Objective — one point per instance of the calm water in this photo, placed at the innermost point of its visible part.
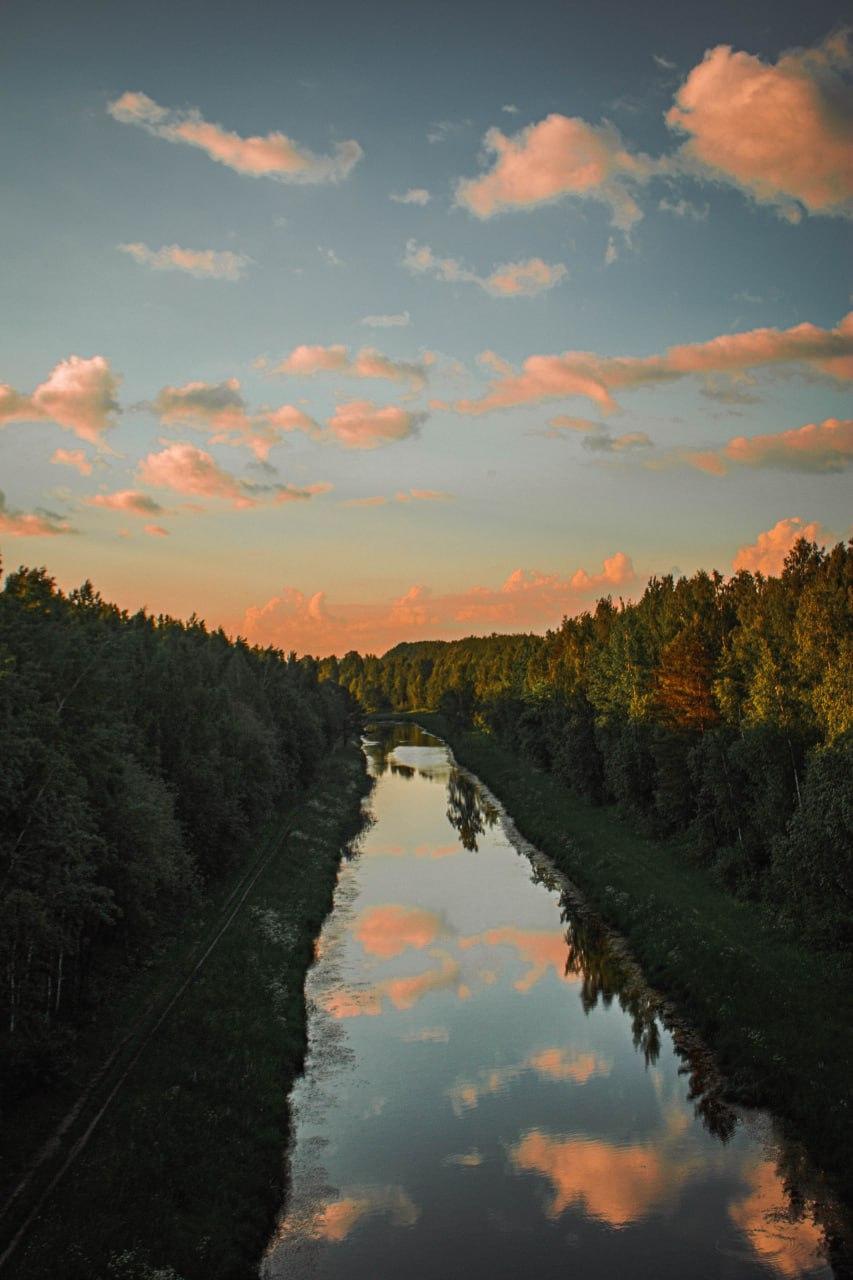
(490, 1090)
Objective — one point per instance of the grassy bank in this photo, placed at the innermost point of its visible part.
(186, 1169)
(777, 1016)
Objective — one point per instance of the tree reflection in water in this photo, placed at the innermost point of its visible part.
(468, 810)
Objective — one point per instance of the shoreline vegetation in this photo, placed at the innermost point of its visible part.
(774, 1013)
(186, 1173)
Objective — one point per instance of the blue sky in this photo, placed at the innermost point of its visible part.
(712, 249)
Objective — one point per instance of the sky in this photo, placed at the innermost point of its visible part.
(344, 325)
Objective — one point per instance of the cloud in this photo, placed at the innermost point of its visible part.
(767, 554)
(684, 209)
(611, 253)
(779, 131)
(663, 63)
(558, 157)
(791, 1246)
(128, 500)
(360, 424)
(389, 930)
(306, 361)
(819, 448)
(400, 319)
(210, 264)
(272, 156)
(601, 442)
(336, 1219)
(75, 458)
(415, 195)
(510, 108)
(423, 495)
(401, 993)
(79, 395)
(823, 352)
(526, 601)
(185, 469)
(617, 1184)
(220, 409)
(564, 422)
(509, 280)
(39, 524)
(156, 531)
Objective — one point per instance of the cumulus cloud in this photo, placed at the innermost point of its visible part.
(272, 155)
(819, 447)
(767, 554)
(25, 524)
(220, 409)
(558, 157)
(509, 280)
(78, 394)
(824, 352)
(126, 500)
(398, 320)
(360, 424)
(525, 601)
(780, 131)
(307, 360)
(209, 264)
(185, 469)
(75, 458)
(415, 195)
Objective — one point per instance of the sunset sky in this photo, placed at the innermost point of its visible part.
(346, 324)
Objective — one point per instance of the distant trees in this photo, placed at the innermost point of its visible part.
(140, 757)
(722, 709)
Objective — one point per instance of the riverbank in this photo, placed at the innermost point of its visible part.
(777, 1016)
(186, 1169)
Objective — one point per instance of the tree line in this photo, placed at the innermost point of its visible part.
(141, 758)
(716, 710)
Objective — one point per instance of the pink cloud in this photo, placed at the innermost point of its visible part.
(129, 500)
(525, 601)
(819, 447)
(767, 554)
(273, 155)
(75, 458)
(509, 280)
(79, 395)
(780, 131)
(212, 264)
(220, 409)
(559, 156)
(423, 495)
(306, 361)
(583, 373)
(156, 531)
(183, 468)
(360, 424)
(21, 524)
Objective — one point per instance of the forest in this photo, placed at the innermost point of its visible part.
(142, 757)
(715, 710)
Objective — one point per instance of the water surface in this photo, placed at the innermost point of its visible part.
(491, 1090)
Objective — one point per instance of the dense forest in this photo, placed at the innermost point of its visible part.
(718, 710)
(141, 757)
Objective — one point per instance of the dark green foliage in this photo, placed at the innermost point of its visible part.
(701, 709)
(140, 757)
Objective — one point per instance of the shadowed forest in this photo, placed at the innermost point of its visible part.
(719, 709)
(142, 757)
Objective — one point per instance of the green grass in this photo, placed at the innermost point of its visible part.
(777, 1015)
(187, 1168)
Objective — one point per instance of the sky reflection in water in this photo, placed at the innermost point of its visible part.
(488, 1093)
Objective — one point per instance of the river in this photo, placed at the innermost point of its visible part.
(491, 1090)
